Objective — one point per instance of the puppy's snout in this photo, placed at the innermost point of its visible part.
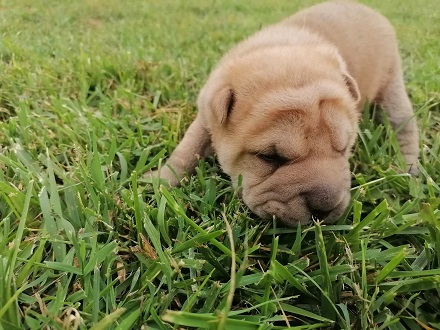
(321, 201)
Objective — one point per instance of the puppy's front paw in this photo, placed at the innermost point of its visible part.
(412, 161)
(412, 169)
(164, 175)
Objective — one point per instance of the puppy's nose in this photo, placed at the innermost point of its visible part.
(322, 200)
(320, 214)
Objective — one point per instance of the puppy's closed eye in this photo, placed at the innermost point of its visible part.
(342, 150)
(272, 159)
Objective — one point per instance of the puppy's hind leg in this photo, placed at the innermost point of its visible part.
(394, 99)
(195, 144)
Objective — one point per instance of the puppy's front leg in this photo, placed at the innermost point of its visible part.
(398, 108)
(195, 144)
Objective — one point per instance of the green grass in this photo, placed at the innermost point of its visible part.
(94, 93)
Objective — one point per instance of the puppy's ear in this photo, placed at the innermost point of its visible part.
(352, 87)
(222, 103)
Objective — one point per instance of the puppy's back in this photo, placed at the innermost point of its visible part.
(364, 38)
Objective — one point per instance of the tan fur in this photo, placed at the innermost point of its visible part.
(281, 109)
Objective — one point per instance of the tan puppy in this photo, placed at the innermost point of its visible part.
(281, 109)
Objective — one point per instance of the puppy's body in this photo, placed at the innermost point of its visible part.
(281, 109)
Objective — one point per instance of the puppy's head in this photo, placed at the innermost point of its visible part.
(285, 120)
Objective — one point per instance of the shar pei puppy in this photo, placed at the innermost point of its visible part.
(281, 109)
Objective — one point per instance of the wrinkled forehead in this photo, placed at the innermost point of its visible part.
(275, 131)
(306, 98)
(297, 124)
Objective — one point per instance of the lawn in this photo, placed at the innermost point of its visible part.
(94, 93)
